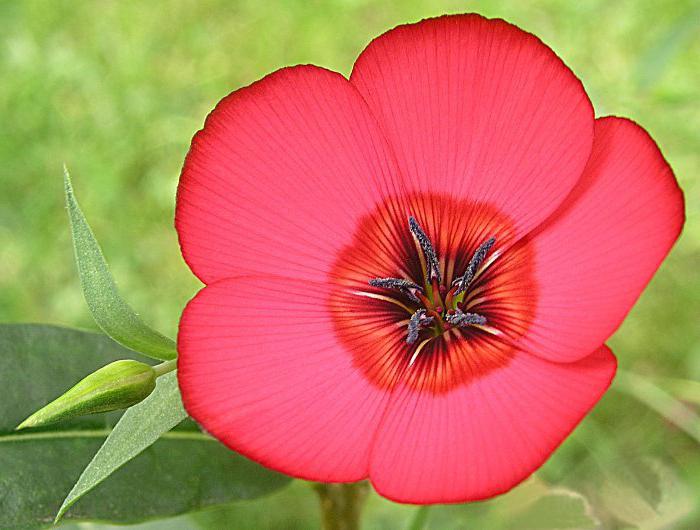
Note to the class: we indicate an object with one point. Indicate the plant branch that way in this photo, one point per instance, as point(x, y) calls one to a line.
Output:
point(341, 504)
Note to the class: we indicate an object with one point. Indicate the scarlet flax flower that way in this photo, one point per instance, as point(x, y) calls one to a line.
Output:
point(410, 275)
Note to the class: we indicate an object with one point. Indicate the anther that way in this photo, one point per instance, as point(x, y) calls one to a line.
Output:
point(461, 319)
point(463, 281)
point(399, 284)
point(428, 249)
point(417, 322)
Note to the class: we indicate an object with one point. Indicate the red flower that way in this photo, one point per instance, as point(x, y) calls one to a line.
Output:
point(444, 358)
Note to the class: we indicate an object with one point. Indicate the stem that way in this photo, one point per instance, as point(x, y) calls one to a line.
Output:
point(657, 399)
point(341, 504)
point(420, 518)
point(683, 389)
point(164, 368)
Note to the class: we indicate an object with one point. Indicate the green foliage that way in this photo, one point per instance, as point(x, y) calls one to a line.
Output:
point(184, 470)
point(108, 308)
point(561, 509)
point(628, 488)
point(291, 508)
point(630, 504)
point(531, 506)
point(117, 93)
point(39, 362)
point(138, 429)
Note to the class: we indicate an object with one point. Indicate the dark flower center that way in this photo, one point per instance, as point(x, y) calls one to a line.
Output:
point(434, 306)
point(438, 303)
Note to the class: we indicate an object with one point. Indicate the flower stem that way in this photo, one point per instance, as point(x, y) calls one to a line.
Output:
point(341, 505)
point(164, 368)
point(419, 518)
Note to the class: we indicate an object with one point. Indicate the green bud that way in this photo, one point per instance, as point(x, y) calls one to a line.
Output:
point(118, 385)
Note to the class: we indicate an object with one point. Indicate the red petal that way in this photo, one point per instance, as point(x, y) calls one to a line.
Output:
point(479, 109)
point(261, 369)
point(482, 439)
point(276, 181)
point(598, 252)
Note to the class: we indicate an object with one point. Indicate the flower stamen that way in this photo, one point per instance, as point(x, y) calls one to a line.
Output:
point(462, 282)
point(462, 320)
point(417, 322)
point(405, 286)
point(439, 306)
point(431, 259)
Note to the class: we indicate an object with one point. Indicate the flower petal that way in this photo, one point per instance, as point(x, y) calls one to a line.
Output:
point(479, 109)
point(596, 254)
point(261, 369)
point(484, 438)
point(278, 177)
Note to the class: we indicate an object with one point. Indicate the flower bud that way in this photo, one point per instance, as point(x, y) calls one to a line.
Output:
point(118, 385)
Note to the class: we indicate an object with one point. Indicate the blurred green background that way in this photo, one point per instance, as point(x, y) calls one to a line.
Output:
point(117, 89)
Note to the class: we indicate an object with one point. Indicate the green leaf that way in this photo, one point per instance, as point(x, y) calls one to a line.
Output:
point(624, 500)
point(559, 509)
point(39, 362)
point(294, 507)
point(114, 316)
point(184, 470)
point(138, 428)
point(531, 506)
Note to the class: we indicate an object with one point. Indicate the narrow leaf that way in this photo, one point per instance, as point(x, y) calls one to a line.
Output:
point(114, 316)
point(184, 470)
point(138, 428)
